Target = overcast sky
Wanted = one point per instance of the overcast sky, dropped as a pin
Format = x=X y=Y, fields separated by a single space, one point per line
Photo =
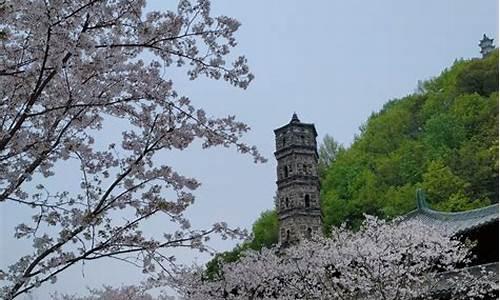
x=333 y=62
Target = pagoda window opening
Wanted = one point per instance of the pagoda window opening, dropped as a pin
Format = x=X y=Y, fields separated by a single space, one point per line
x=307 y=200
x=309 y=233
x=286 y=171
x=288 y=235
x=287 y=202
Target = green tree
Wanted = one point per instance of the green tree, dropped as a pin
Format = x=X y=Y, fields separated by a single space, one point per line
x=443 y=139
x=440 y=183
x=329 y=149
x=265 y=230
x=480 y=76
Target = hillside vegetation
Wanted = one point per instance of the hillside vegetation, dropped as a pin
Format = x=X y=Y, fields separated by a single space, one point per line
x=443 y=139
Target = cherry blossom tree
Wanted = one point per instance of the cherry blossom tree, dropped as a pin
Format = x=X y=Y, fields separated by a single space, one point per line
x=396 y=260
x=68 y=71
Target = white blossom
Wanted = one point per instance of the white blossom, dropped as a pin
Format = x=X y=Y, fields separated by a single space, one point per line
x=69 y=68
x=383 y=260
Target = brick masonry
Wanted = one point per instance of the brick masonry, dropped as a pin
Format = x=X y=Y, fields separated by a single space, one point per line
x=298 y=203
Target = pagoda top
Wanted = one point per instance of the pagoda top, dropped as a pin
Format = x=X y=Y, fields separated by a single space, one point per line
x=295 y=118
x=485 y=40
x=295 y=122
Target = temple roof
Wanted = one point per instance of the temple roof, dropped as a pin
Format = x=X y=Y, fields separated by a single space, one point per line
x=457 y=222
x=486 y=271
x=485 y=39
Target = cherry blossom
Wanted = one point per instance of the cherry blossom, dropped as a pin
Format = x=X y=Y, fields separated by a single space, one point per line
x=383 y=260
x=68 y=69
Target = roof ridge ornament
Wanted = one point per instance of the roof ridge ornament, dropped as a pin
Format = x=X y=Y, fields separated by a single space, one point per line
x=295 y=118
x=421 y=201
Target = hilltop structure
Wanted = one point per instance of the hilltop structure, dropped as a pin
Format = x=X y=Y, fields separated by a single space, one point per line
x=486 y=45
x=298 y=204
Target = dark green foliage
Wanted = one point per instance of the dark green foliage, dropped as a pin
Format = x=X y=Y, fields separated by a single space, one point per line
x=444 y=140
x=479 y=77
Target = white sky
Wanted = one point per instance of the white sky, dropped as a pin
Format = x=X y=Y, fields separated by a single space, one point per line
x=333 y=62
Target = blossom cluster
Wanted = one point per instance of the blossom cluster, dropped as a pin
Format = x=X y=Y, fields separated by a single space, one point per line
x=67 y=70
x=383 y=260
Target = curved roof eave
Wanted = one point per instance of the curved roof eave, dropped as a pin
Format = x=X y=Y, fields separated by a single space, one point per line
x=457 y=222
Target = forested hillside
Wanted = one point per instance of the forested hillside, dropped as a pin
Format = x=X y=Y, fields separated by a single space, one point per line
x=443 y=139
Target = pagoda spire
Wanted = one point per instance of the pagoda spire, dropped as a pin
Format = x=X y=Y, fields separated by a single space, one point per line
x=295 y=118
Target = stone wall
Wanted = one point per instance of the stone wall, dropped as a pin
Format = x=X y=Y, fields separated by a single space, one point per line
x=299 y=227
x=296 y=195
x=302 y=163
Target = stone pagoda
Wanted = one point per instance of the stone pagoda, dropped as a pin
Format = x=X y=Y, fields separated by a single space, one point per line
x=298 y=203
